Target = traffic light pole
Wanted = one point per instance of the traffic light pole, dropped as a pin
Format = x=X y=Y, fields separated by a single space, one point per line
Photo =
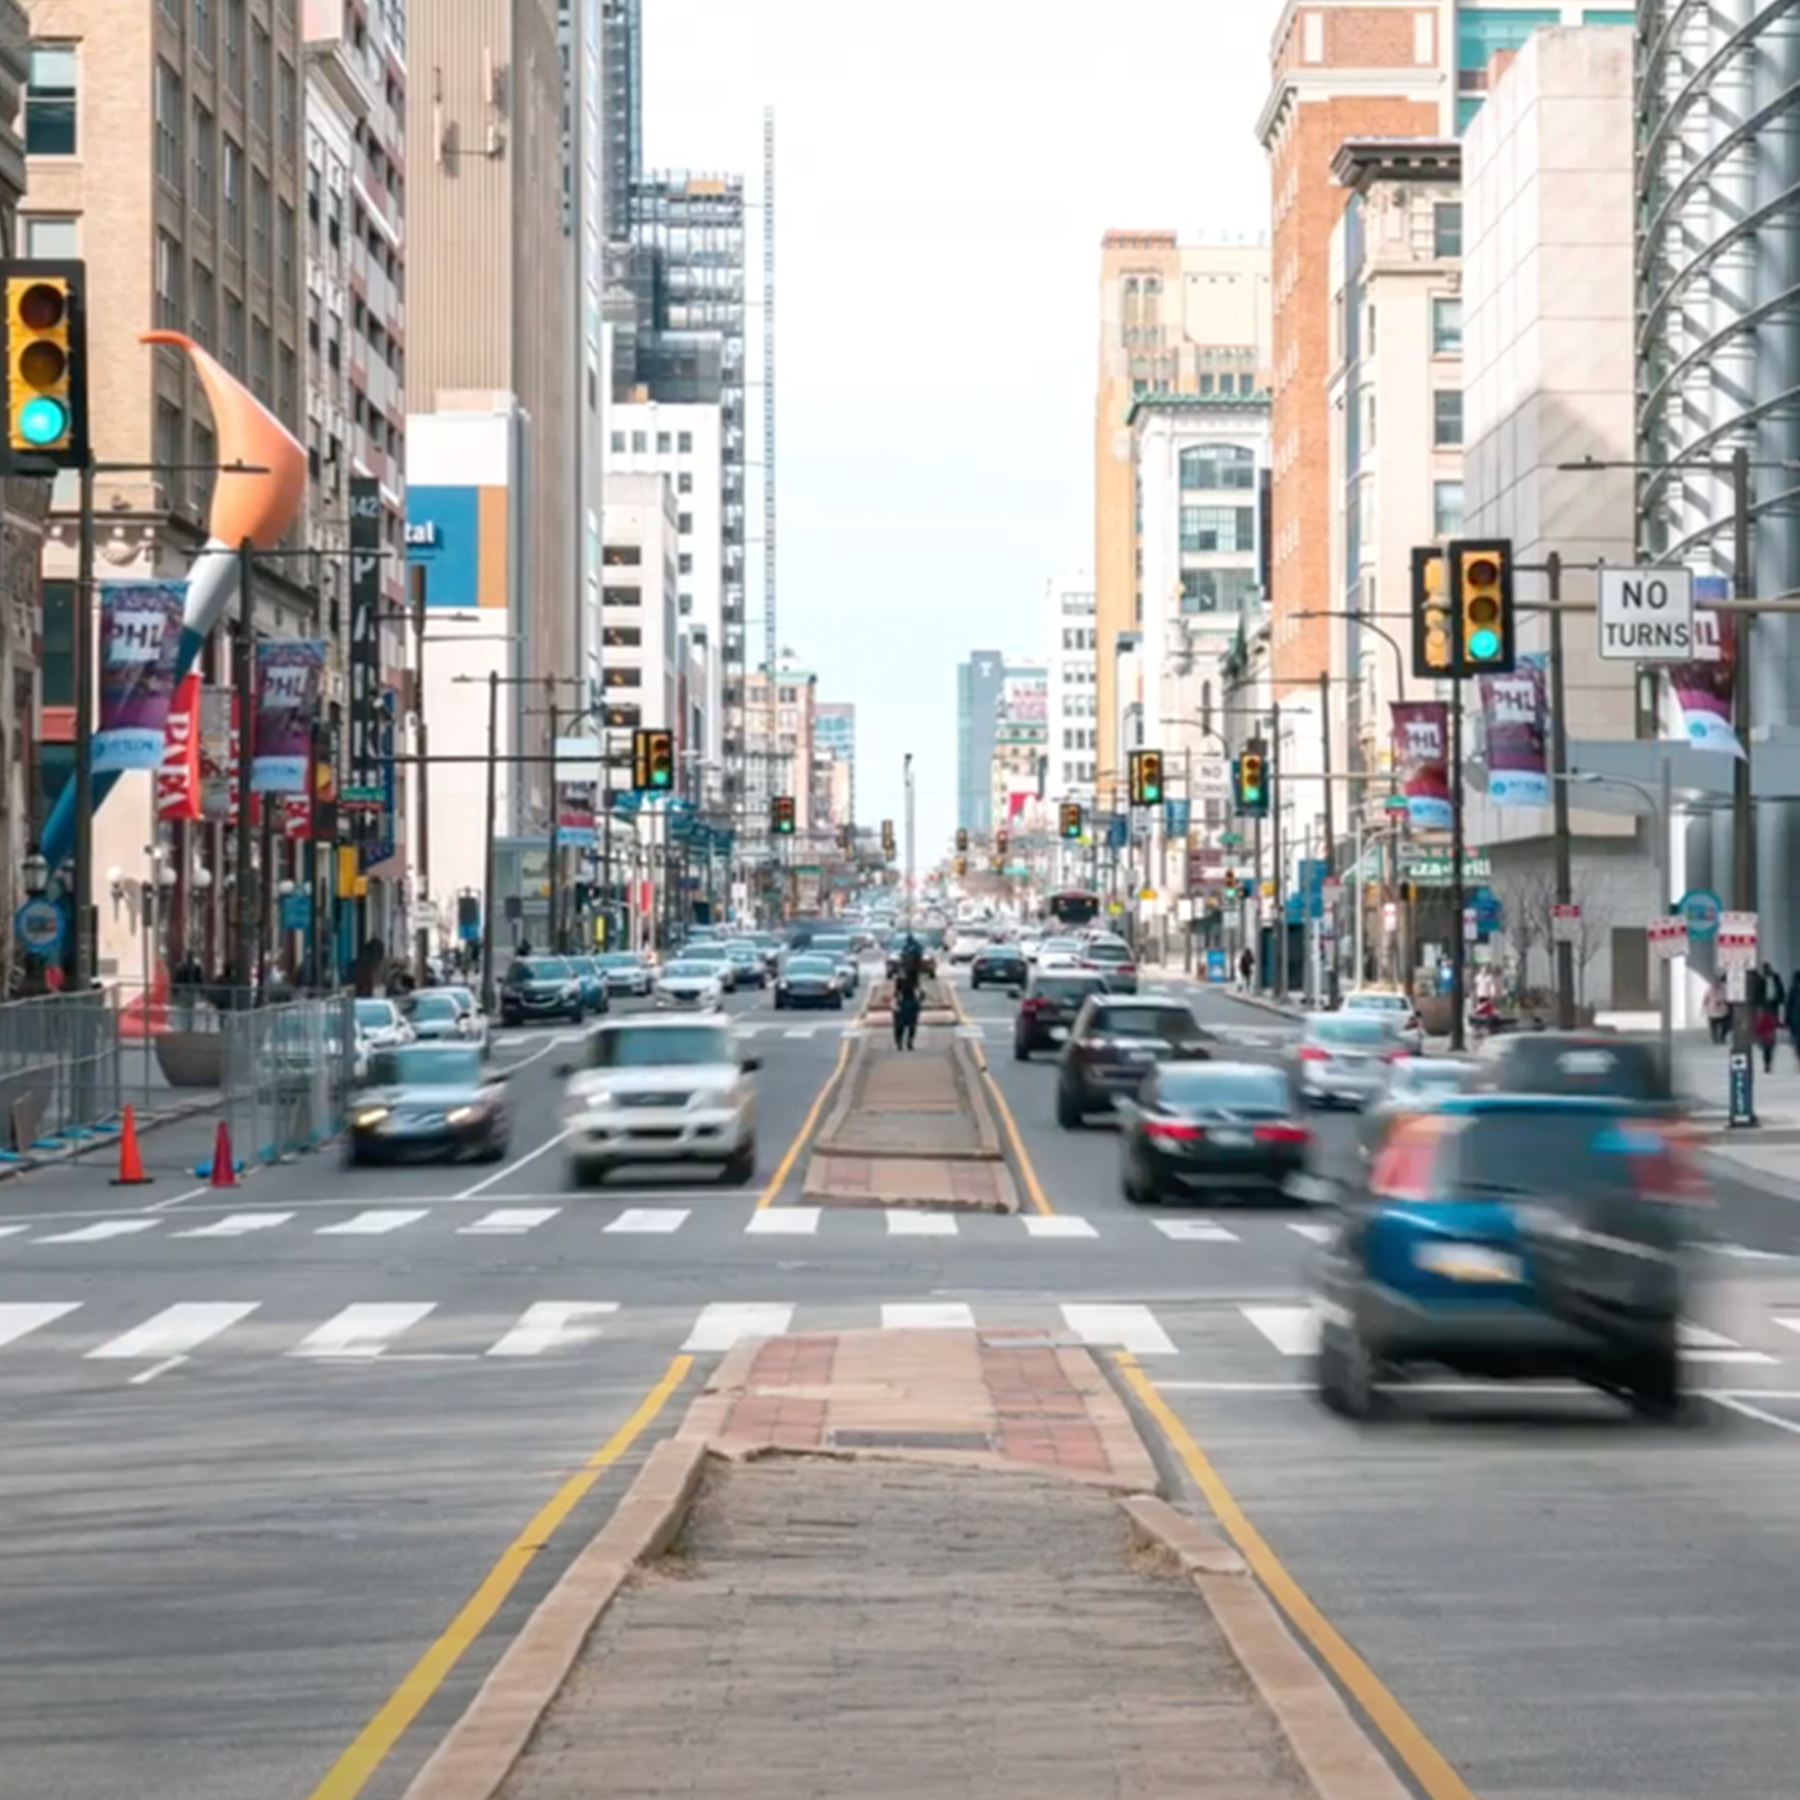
x=81 y=925
x=1458 y=932
x=1281 y=937
x=1559 y=794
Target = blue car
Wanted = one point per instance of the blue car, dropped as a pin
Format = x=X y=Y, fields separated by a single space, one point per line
x=1513 y=1236
x=593 y=983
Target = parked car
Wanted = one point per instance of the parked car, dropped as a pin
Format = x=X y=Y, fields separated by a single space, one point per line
x=650 y=1090
x=999 y=965
x=1218 y=1128
x=1049 y=1006
x=1115 y=1042
x=1341 y=1058
x=540 y=987
x=809 y=980
x=427 y=1101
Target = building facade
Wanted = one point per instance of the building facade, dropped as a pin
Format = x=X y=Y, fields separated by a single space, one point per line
x=645 y=656
x=835 y=728
x=783 y=742
x=979 y=684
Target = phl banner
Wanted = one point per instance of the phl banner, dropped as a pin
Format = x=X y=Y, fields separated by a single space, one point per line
x=140 y=635
x=178 y=780
x=289 y=672
x=1513 y=706
x=1422 y=752
x=575 y=812
x=1702 y=688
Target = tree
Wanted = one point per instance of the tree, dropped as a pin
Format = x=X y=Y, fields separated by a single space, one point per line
x=1526 y=895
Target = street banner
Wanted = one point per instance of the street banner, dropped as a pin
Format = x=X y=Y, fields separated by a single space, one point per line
x=1514 y=710
x=1175 y=818
x=178 y=780
x=140 y=635
x=218 y=755
x=1422 y=751
x=296 y=816
x=575 y=812
x=288 y=675
x=1702 y=688
x=362 y=794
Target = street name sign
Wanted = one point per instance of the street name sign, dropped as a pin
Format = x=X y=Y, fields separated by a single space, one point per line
x=1646 y=615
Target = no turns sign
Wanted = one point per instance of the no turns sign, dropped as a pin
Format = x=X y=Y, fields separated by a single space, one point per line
x=1646 y=615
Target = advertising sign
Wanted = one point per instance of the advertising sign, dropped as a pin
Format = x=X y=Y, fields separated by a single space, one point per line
x=288 y=674
x=1737 y=940
x=140 y=634
x=1514 y=711
x=1422 y=750
x=362 y=792
x=178 y=780
x=218 y=755
x=1702 y=688
x=1025 y=700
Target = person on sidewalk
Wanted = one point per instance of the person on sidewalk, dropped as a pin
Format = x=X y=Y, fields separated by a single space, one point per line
x=1791 y=1014
x=1718 y=1010
x=909 y=994
x=1246 y=969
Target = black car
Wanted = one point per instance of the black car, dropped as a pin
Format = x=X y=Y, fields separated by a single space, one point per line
x=808 y=980
x=1590 y=1063
x=999 y=965
x=1048 y=1010
x=1117 y=1039
x=1221 y=1128
x=429 y=1101
x=541 y=987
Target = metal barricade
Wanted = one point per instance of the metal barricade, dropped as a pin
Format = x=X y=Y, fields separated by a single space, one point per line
x=288 y=1073
x=59 y=1067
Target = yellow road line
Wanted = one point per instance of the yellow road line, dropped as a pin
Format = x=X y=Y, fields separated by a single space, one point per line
x=1034 y=1189
x=353 y=1770
x=1424 y=1761
x=785 y=1167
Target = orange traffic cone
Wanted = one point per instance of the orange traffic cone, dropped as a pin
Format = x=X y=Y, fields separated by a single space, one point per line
x=131 y=1164
x=224 y=1171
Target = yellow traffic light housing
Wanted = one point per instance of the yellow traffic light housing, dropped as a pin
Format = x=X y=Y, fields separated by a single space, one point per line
x=1071 y=820
x=781 y=815
x=1252 y=780
x=662 y=761
x=46 y=376
x=1434 y=641
x=887 y=837
x=1481 y=597
x=1146 y=775
x=962 y=839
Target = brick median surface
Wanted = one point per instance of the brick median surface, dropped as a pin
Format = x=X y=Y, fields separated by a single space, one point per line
x=875 y=1631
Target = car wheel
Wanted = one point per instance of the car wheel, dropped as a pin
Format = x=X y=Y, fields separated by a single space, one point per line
x=740 y=1169
x=1134 y=1187
x=494 y=1152
x=1347 y=1374
x=1021 y=1052
x=1069 y=1114
x=575 y=1015
x=1652 y=1382
x=585 y=1174
x=353 y=1156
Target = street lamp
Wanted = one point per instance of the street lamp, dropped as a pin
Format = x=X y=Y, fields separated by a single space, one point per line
x=34 y=872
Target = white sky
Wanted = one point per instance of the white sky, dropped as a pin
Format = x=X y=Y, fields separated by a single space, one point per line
x=945 y=171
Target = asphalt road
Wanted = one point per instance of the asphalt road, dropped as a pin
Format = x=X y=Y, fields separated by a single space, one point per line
x=224 y=1551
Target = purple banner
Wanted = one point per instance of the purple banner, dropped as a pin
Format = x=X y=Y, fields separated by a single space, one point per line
x=1702 y=688
x=1514 y=710
x=140 y=635
x=289 y=672
x=1422 y=752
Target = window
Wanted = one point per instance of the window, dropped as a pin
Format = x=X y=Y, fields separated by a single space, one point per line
x=684 y=564
x=171 y=311
x=625 y=556
x=170 y=445
x=49 y=236
x=170 y=103
x=618 y=443
x=684 y=523
x=684 y=483
x=231 y=189
x=234 y=48
x=260 y=52
x=1446 y=509
x=234 y=334
x=57 y=653
x=1217 y=590
x=206 y=152
x=286 y=107
x=1446 y=228
x=262 y=361
x=1446 y=327
x=287 y=249
x=623 y=637
x=1206 y=384
x=621 y=596
x=201 y=33
x=204 y=456
x=262 y=249
x=640 y=444
x=664 y=443
x=1218 y=466
x=1447 y=418
x=1208 y=529
x=684 y=443
x=50 y=101
x=287 y=388
x=206 y=307
x=623 y=678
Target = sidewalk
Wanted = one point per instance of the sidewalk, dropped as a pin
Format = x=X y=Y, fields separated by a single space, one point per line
x=947 y=1597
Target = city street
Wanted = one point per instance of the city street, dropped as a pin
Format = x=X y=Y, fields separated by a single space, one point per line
x=265 y=1446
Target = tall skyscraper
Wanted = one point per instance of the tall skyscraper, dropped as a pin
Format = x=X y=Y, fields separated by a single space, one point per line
x=834 y=735
x=980 y=682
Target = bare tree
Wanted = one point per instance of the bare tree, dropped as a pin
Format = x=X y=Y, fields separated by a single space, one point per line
x=1526 y=896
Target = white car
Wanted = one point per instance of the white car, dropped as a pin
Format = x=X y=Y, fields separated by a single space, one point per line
x=690 y=987
x=1391 y=1004
x=651 y=1090
x=444 y=1016
x=380 y=1025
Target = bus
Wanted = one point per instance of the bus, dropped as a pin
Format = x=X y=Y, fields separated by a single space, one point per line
x=1073 y=909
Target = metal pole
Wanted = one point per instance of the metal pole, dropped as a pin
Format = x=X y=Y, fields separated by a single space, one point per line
x=1665 y=824
x=911 y=847
x=1327 y=961
x=247 y=908
x=1187 y=857
x=422 y=949
x=321 y=848
x=555 y=945
x=1743 y=587
x=82 y=924
x=1458 y=899
x=1253 y=926
x=1559 y=794
x=1357 y=903
x=1281 y=930
x=490 y=876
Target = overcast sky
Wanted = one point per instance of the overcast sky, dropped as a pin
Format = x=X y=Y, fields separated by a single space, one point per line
x=945 y=172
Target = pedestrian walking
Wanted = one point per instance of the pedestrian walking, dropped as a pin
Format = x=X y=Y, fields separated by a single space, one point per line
x=1246 y=969
x=1718 y=1010
x=1791 y=1014
x=909 y=994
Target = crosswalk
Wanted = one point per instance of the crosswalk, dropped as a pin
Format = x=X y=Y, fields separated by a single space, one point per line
x=811 y=1025
x=1240 y=1339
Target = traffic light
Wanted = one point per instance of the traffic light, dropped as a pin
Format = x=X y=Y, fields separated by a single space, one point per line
x=1481 y=595
x=1252 y=780
x=781 y=815
x=1433 y=639
x=1146 y=778
x=887 y=837
x=962 y=839
x=1071 y=819
x=962 y=865
x=653 y=761
x=1001 y=840
x=46 y=368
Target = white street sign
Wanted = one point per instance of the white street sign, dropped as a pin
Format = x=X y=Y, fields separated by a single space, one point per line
x=1737 y=983
x=1668 y=938
x=1736 y=940
x=1646 y=615
x=1565 y=924
x=1330 y=892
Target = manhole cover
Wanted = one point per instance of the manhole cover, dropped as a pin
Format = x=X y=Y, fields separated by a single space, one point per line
x=911 y=1440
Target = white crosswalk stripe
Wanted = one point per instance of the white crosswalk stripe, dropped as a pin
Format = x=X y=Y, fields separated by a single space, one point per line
x=920 y=1224
x=1700 y=1345
x=102 y=1231
x=1314 y=1234
x=364 y=1329
x=1132 y=1328
x=650 y=1219
x=1195 y=1231
x=375 y=1223
x=1293 y=1330
x=1056 y=1225
x=177 y=1330
x=238 y=1225
x=784 y=1221
x=555 y=1325
x=508 y=1221
x=727 y=1323
x=929 y=1315
x=12 y=1230
x=19 y=1318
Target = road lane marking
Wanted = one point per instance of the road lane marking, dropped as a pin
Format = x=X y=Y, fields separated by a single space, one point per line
x=1056 y=1225
x=18 y=1318
x=238 y=1225
x=352 y=1771
x=193 y=1193
x=791 y=1155
x=144 y=1377
x=1034 y=1189
x=654 y=1220
x=920 y=1224
x=1132 y=1328
x=508 y=1221
x=99 y=1234
x=513 y=1167
x=177 y=1330
x=376 y=1223
x=928 y=1315
x=1423 y=1760
x=1293 y=1330
x=12 y=1230
x=1732 y=1403
x=1314 y=1234
x=726 y=1323
x=364 y=1329
x=555 y=1325
x=784 y=1221
x=1195 y=1231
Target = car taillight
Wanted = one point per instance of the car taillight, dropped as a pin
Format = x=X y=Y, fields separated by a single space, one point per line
x=1033 y=1005
x=1672 y=1177
x=1282 y=1134
x=1312 y=1053
x=1395 y=1055
x=1173 y=1130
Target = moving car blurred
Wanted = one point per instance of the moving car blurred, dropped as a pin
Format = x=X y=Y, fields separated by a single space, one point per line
x=1114 y=1043
x=1391 y=1003
x=428 y=1101
x=1112 y=958
x=1341 y=1058
x=1594 y=1063
x=999 y=965
x=897 y=943
x=380 y=1025
x=837 y=945
x=438 y=1016
x=540 y=987
x=626 y=972
x=1059 y=953
x=1048 y=1009
x=1414 y=1085
x=593 y=982
x=747 y=966
x=1521 y=1236
x=718 y=958
x=1217 y=1127
x=966 y=941
x=650 y=1090
x=690 y=984
x=808 y=980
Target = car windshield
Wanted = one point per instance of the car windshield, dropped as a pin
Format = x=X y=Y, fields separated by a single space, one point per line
x=706 y=953
x=1416 y=1077
x=830 y=945
x=689 y=970
x=1559 y=1065
x=1559 y=1155
x=1102 y=951
x=1206 y=1085
x=620 y=959
x=542 y=968
x=1376 y=1003
x=658 y=1047
x=1066 y=987
x=464 y=997
x=427 y=1065
x=436 y=1006
x=809 y=965
x=375 y=1013
x=1169 y=1024
x=1059 y=946
x=1371 y=1028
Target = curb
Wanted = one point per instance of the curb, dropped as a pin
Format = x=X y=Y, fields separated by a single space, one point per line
x=106 y=1137
x=479 y=1751
x=1336 y=1754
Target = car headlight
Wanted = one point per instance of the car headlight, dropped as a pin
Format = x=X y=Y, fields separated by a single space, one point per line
x=462 y=1115
x=370 y=1115
x=574 y=1105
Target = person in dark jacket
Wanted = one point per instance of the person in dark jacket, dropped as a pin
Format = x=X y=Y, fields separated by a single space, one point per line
x=909 y=994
